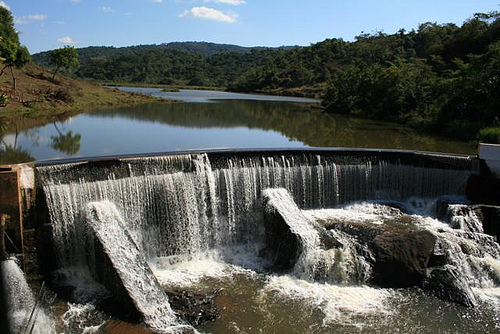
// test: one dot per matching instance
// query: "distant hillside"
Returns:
(181, 63)
(201, 48)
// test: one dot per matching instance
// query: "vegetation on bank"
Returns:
(440, 77)
(38, 95)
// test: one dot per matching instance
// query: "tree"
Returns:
(66, 57)
(11, 52)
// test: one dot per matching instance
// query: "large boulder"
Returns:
(402, 257)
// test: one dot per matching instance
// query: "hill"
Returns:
(36, 95)
(179, 63)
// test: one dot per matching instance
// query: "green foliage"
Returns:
(9, 42)
(22, 57)
(490, 135)
(11, 52)
(442, 77)
(3, 100)
(66, 57)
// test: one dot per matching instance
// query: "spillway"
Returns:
(181, 206)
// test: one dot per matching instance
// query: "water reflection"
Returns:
(295, 121)
(66, 143)
(10, 152)
(163, 127)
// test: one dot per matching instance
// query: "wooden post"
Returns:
(3, 253)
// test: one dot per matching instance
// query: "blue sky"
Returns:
(48, 24)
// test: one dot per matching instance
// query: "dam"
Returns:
(336, 233)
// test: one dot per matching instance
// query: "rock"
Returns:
(402, 257)
(399, 254)
(287, 229)
(194, 308)
(446, 283)
(489, 215)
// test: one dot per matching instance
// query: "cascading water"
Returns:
(193, 206)
(143, 288)
(25, 313)
(180, 204)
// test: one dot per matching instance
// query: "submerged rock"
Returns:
(197, 309)
(448, 284)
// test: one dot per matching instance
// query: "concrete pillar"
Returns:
(490, 153)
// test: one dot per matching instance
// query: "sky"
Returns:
(49, 24)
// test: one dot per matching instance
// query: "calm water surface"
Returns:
(207, 120)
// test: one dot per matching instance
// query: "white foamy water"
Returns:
(181, 211)
(21, 302)
(461, 217)
(82, 318)
(359, 212)
(339, 304)
(186, 271)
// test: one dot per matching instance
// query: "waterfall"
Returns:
(131, 267)
(186, 204)
(24, 312)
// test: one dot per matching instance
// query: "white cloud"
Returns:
(106, 9)
(158, 1)
(27, 19)
(4, 5)
(228, 2)
(209, 14)
(66, 40)
(37, 17)
(21, 20)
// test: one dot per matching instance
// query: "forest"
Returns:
(442, 78)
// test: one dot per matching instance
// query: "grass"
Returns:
(36, 95)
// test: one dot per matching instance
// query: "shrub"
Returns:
(3, 100)
(57, 95)
(490, 135)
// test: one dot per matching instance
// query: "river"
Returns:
(207, 120)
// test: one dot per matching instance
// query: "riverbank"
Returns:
(36, 95)
(313, 92)
(169, 88)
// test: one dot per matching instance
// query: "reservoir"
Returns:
(207, 120)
